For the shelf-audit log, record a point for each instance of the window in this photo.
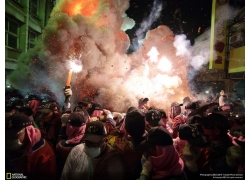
(11, 33)
(32, 38)
(34, 7)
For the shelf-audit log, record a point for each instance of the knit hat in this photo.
(135, 123)
(15, 123)
(153, 117)
(78, 118)
(48, 107)
(95, 132)
(157, 136)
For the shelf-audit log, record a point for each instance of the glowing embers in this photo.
(86, 8)
(75, 66)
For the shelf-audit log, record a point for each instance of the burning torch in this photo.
(75, 66)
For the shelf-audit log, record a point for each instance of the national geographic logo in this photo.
(15, 176)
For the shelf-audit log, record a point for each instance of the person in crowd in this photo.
(119, 118)
(71, 133)
(108, 121)
(176, 118)
(95, 110)
(161, 160)
(125, 143)
(195, 141)
(215, 127)
(163, 121)
(143, 104)
(86, 104)
(222, 98)
(153, 118)
(94, 158)
(29, 112)
(12, 106)
(49, 122)
(186, 102)
(34, 102)
(26, 151)
(122, 127)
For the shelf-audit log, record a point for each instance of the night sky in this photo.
(182, 16)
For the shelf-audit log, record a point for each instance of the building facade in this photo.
(24, 22)
(226, 67)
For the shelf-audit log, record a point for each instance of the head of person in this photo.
(78, 118)
(143, 103)
(26, 110)
(131, 108)
(157, 136)
(94, 139)
(215, 126)
(135, 124)
(85, 103)
(153, 117)
(33, 101)
(186, 101)
(95, 110)
(13, 106)
(222, 93)
(193, 134)
(15, 131)
(48, 111)
(175, 109)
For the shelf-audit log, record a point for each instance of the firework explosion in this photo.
(93, 32)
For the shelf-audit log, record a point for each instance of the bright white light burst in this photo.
(76, 65)
(164, 65)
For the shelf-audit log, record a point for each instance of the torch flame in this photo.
(75, 66)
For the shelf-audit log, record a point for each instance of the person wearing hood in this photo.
(26, 151)
(93, 158)
(160, 160)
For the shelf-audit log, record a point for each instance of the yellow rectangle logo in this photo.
(8, 175)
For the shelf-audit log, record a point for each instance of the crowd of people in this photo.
(194, 140)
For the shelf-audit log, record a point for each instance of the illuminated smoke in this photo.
(147, 23)
(100, 43)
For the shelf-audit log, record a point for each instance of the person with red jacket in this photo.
(176, 118)
(26, 151)
(49, 122)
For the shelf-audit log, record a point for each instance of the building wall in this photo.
(24, 22)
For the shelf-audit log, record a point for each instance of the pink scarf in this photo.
(34, 104)
(166, 126)
(34, 136)
(74, 133)
(166, 162)
(97, 113)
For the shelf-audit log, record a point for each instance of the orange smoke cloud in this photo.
(86, 8)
